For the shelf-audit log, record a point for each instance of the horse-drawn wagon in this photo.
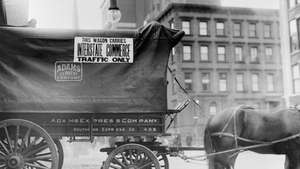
(47, 93)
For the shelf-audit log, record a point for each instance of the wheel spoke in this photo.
(4, 148)
(116, 161)
(36, 149)
(36, 166)
(124, 158)
(2, 158)
(146, 165)
(26, 139)
(40, 164)
(8, 139)
(17, 137)
(130, 157)
(2, 166)
(40, 158)
(115, 167)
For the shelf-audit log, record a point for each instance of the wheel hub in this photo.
(15, 161)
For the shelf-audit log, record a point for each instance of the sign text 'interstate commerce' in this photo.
(103, 50)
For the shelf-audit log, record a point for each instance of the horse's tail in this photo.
(208, 145)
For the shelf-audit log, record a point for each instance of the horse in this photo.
(239, 129)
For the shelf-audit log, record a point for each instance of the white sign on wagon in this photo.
(103, 50)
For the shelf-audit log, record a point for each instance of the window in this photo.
(221, 53)
(203, 28)
(204, 53)
(240, 82)
(173, 59)
(253, 54)
(213, 108)
(172, 24)
(188, 81)
(254, 80)
(292, 3)
(270, 82)
(173, 84)
(187, 53)
(186, 27)
(267, 30)
(205, 81)
(294, 39)
(238, 52)
(222, 82)
(252, 30)
(220, 28)
(296, 78)
(269, 54)
(237, 30)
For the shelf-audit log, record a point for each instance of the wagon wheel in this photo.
(163, 160)
(131, 156)
(25, 145)
(60, 152)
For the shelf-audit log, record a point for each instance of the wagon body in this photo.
(45, 94)
(32, 88)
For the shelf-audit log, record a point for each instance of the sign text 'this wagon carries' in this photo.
(103, 50)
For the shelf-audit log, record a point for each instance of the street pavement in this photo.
(87, 156)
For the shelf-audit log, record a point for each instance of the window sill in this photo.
(240, 37)
(188, 61)
(221, 36)
(204, 36)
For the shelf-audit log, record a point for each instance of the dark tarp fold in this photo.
(27, 72)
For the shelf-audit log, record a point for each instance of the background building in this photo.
(133, 12)
(229, 56)
(290, 18)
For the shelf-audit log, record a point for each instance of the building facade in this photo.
(290, 30)
(228, 57)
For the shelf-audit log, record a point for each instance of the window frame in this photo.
(255, 83)
(223, 29)
(183, 53)
(240, 29)
(294, 35)
(223, 81)
(190, 84)
(269, 58)
(207, 28)
(251, 54)
(269, 31)
(213, 104)
(250, 30)
(238, 83)
(208, 83)
(221, 54)
(235, 54)
(272, 83)
(189, 30)
(207, 54)
(296, 78)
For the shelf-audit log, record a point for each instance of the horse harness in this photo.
(237, 149)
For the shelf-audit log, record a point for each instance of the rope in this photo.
(183, 89)
(239, 149)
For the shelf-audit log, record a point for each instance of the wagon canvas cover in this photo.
(28, 67)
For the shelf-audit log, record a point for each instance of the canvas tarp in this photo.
(27, 72)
